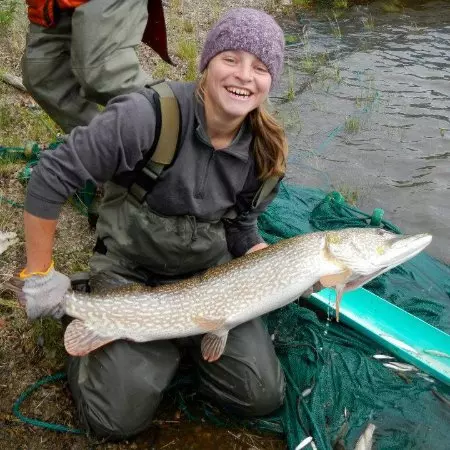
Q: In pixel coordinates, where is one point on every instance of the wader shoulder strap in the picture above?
(262, 193)
(165, 143)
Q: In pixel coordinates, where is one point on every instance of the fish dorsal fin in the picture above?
(336, 279)
(80, 340)
(208, 324)
(213, 345)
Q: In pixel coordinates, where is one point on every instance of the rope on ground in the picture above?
(10, 202)
(36, 422)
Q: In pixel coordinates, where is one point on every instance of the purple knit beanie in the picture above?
(249, 30)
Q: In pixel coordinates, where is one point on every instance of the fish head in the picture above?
(367, 252)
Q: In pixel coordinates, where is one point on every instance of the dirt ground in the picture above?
(31, 351)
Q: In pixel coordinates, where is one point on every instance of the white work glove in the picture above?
(42, 293)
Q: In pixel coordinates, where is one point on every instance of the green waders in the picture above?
(118, 388)
(86, 59)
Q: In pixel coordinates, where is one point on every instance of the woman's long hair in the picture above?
(270, 146)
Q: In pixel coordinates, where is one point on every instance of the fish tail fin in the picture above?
(79, 340)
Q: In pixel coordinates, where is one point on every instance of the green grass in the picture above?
(188, 26)
(161, 70)
(290, 94)
(369, 23)
(188, 52)
(17, 121)
(8, 10)
(48, 335)
(340, 4)
(290, 39)
(302, 3)
(335, 28)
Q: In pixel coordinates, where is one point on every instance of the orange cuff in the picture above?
(23, 275)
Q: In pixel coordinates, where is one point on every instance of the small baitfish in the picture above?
(233, 293)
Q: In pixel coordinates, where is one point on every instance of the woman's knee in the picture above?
(263, 395)
(118, 388)
(118, 424)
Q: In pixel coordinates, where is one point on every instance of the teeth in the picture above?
(236, 91)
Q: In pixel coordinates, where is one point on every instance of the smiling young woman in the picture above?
(242, 60)
(201, 210)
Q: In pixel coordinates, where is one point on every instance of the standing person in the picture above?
(201, 211)
(81, 53)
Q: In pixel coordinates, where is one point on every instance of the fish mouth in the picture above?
(401, 249)
(405, 247)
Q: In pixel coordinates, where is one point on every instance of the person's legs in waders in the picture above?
(86, 59)
(117, 388)
(48, 76)
(247, 380)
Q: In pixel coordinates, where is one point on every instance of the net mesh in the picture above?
(335, 387)
(349, 388)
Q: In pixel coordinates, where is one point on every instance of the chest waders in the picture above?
(117, 389)
(143, 240)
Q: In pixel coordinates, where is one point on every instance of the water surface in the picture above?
(369, 111)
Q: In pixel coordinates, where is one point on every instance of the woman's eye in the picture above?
(261, 69)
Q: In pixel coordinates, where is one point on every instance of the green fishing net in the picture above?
(335, 387)
(349, 388)
(30, 153)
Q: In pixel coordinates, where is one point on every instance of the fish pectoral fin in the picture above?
(213, 345)
(335, 279)
(80, 340)
(208, 324)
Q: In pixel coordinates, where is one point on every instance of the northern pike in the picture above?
(230, 294)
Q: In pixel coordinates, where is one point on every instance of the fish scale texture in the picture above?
(234, 293)
(349, 387)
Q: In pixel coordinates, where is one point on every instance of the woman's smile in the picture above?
(237, 82)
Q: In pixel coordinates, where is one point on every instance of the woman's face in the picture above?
(237, 82)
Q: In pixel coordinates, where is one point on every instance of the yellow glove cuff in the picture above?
(24, 275)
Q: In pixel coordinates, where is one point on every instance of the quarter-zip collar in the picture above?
(240, 147)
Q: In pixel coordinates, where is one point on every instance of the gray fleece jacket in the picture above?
(202, 182)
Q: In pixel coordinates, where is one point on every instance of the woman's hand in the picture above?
(44, 287)
(42, 293)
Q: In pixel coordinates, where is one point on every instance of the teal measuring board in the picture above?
(403, 334)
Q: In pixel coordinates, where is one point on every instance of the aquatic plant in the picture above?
(290, 39)
(352, 125)
(368, 22)
(393, 6)
(335, 28)
(290, 94)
